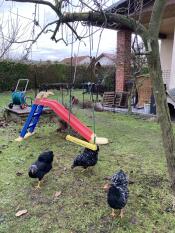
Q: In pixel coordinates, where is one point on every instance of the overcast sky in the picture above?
(45, 48)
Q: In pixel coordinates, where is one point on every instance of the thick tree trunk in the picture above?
(158, 88)
(162, 109)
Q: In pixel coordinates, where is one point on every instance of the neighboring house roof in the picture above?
(76, 60)
(103, 59)
(126, 7)
(111, 58)
(122, 6)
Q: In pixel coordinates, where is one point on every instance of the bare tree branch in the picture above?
(38, 2)
(116, 20)
(12, 27)
(36, 38)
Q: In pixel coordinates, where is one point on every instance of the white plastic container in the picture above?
(147, 108)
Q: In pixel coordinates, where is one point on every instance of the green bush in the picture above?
(10, 72)
(108, 78)
(42, 73)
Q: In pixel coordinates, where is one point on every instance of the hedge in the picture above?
(41, 73)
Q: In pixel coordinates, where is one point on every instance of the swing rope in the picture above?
(71, 84)
(91, 146)
(93, 105)
(73, 77)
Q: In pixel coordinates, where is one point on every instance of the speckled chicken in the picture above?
(42, 166)
(87, 159)
(117, 195)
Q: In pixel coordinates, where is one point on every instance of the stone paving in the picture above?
(135, 111)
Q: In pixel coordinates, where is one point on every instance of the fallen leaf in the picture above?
(19, 173)
(131, 181)
(20, 213)
(57, 194)
(134, 220)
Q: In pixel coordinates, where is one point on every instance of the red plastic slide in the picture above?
(63, 113)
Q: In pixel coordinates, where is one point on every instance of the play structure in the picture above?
(42, 101)
(36, 111)
(19, 96)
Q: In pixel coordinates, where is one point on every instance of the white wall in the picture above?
(172, 74)
(166, 51)
(105, 61)
(85, 61)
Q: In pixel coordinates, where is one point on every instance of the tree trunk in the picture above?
(162, 109)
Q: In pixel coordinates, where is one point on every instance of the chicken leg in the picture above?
(113, 214)
(82, 171)
(121, 213)
(38, 185)
(85, 169)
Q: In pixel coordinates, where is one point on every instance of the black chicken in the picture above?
(42, 166)
(117, 192)
(87, 159)
(62, 126)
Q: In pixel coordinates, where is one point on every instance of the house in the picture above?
(81, 60)
(166, 36)
(106, 59)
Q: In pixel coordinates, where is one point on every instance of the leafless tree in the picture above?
(12, 29)
(96, 13)
(9, 30)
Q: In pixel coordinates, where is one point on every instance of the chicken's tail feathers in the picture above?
(46, 157)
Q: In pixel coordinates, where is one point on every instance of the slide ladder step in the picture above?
(36, 114)
(32, 120)
(31, 125)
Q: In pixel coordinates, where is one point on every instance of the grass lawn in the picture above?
(135, 146)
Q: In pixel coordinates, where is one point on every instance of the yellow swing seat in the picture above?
(81, 142)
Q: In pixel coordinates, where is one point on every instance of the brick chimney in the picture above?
(123, 65)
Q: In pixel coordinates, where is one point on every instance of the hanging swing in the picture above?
(89, 145)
